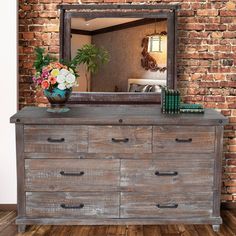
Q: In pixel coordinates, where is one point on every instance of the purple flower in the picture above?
(34, 79)
(45, 74)
(39, 81)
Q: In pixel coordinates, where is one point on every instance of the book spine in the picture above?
(178, 100)
(175, 108)
(173, 101)
(166, 101)
(163, 99)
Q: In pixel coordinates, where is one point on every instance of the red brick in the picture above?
(28, 35)
(207, 12)
(228, 13)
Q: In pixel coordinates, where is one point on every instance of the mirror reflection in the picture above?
(131, 54)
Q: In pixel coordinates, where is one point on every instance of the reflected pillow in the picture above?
(144, 88)
(139, 88)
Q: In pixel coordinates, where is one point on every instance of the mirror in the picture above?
(140, 41)
(137, 61)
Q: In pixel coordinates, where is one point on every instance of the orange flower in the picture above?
(52, 80)
(45, 84)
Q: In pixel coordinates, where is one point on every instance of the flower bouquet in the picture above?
(56, 79)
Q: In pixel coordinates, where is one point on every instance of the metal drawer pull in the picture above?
(52, 140)
(167, 206)
(71, 173)
(167, 173)
(120, 140)
(189, 140)
(80, 206)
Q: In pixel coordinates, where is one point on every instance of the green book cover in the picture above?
(172, 102)
(190, 106)
(175, 99)
(178, 100)
(166, 101)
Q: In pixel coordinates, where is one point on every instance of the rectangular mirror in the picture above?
(137, 60)
(139, 47)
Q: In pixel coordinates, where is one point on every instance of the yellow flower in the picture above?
(55, 72)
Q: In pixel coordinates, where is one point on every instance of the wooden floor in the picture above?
(8, 228)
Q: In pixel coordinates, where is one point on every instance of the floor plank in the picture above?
(228, 228)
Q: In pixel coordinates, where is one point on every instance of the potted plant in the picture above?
(55, 78)
(92, 57)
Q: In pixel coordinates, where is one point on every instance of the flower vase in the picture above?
(57, 99)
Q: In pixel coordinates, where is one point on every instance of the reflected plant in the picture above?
(92, 57)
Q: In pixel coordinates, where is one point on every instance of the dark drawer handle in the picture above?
(189, 140)
(120, 140)
(52, 140)
(167, 173)
(64, 206)
(167, 206)
(71, 173)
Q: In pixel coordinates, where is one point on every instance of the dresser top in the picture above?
(115, 115)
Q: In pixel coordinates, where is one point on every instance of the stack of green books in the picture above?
(170, 101)
(191, 108)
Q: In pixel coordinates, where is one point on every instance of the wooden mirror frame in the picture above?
(168, 11)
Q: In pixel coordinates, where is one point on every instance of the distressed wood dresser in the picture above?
(118, 164)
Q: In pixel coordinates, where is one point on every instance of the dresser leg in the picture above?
(216, 228)
(21, 228)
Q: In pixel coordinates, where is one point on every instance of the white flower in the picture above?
(61, 79)
(70, 78)
(61, 86)
(64, 72)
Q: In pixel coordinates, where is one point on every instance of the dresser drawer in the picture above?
(167, 175)
(55, 139)
(184, 139)
(178, 205)
(72, 204)
(71, 175)
(120, 139)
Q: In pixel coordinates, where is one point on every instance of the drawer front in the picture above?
(120, 139)
(167, 175)
(71, 175)
(184, 139)
(181, 205)
(55, 139)
(72, 204)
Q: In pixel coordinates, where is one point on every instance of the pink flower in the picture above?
(45, 84)
(52, 80)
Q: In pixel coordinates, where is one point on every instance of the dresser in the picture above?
(118, 164)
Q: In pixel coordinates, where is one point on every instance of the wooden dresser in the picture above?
(124, 164)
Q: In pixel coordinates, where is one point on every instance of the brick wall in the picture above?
(206, 60)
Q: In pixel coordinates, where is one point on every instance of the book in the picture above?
(163, 100)
(190, 106)
(170, 101)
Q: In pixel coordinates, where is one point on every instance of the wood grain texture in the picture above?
(108, 139)
(44, 175)
(75, 138)
(48, 204)
(125, 162)
(112, 114)
(184, 139)
(9, 228)
(132, 156)
(136, 205)
(140, 175)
